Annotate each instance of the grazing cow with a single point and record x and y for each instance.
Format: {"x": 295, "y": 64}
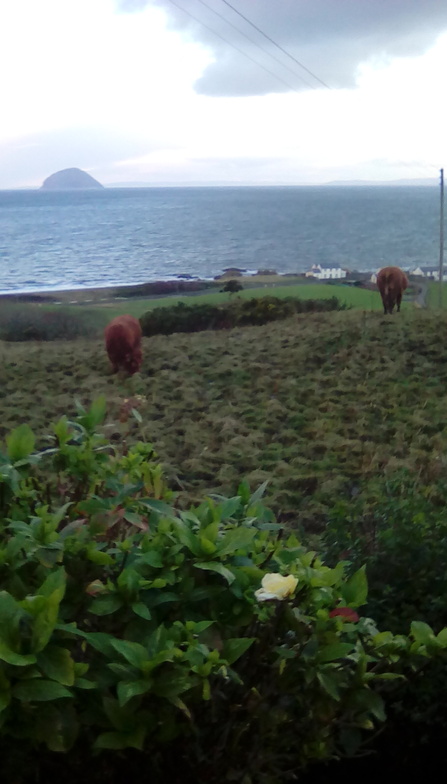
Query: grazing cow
{"x": 391, "y": 282}
{"x": 123, "y": 343}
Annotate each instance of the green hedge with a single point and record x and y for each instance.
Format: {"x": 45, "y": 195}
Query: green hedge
{"x": 239, "y": 312}
{"x": 23, "y": 322}
{"x": 209, "y": 641}
{"x": 402, "y": 540}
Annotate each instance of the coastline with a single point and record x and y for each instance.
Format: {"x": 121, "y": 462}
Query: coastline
{"x": 104, "y": 294}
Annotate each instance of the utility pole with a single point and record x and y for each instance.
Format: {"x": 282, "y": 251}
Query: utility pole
{"x": 441, "y": 241}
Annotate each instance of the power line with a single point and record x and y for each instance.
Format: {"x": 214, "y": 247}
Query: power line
{"x": 279, "y": 78}
{"x": 241, "y": 32}
{"x": 275, "y": 44}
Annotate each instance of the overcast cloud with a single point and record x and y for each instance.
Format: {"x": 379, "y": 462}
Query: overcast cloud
{"x": 139, "y": 91}
{"x": 331, "y": 38}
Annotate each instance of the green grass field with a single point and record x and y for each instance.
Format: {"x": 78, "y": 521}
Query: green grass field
{"x": 320, "y": 405}
{"x": 354, "y": 297}
{"x": 433, "y": 295}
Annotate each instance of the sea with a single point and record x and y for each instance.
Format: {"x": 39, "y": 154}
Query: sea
{"x": 118, "y": 236}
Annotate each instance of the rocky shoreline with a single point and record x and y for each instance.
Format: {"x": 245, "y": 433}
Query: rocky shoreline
{"x": 184, "y": 284}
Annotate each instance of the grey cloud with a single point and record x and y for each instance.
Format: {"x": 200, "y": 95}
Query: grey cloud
{"x": 330, "y": 37}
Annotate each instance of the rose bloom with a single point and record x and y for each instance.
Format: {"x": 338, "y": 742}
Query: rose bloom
{"x": 276, "y": 586}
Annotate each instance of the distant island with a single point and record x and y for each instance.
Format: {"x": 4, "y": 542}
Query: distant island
{"x": 70, "y": 180}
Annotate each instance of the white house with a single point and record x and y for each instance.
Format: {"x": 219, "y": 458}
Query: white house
{"x": 326, "y": 272}
{"x": 427, "y": 272}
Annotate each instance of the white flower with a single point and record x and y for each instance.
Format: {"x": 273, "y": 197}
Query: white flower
{"x": 276, "y": 586}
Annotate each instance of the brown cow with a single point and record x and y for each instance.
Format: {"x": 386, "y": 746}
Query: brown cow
{"x": 391, "y": 282}
{"x": 123, "y": 343}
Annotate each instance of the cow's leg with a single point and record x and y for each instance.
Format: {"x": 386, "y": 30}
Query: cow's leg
{"x": 398, "y": 301}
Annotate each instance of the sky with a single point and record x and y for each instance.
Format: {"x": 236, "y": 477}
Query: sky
{"x": 247, "y": 92}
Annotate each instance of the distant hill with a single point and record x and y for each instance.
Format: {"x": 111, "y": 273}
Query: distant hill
{"x": 70, "y": 180}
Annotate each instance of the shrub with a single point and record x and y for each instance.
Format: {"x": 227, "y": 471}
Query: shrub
{"x": 206, "y": 639}
{"x": 402, "y": 539}
{"x": 30, "y": 322}
{"x": 261, "y": 310}
{"x": 232, "y": 286}
{"x": 255, "y": 311}
{"x": 181, "y": 318}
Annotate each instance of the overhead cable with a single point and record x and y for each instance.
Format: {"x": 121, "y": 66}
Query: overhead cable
{"x": 278, "y": 46}
{"x": 207, "y": 27}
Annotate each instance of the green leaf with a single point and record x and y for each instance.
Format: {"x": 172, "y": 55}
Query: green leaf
{"x": 234, "y": 648}
{"x": 387, "y": 676}
{"x": 55, "y": 582}
{"x": 206, "y": 545}
{"x": 237, "y": 539}
{"x": 100, "y": 641}
{"x": 374, "y": 703}
{"x": 45, "y": 622}
{"x": 137, "y": 415}
{"x": 330, "y": 684}
{"x": 106, "y": 605}
{"x": 135, "y": 519}
{"x": 337, "y": 650}
{"x": 157, "y": 506}
{"x": 12, "y": 615}
{"x": 99, "y": 557}
{"x": 211, "y": 566}
{"x": 229, "y": 506}
{"x": 142, "y": 610}
{"x": 39, "y": 690}
{"x": 121, "y": 740}
{"x": 97, "y": 412}
{"x": 181, "y": 706}
{"x": 20, "y": 443}
{"x": 84, "y": 683}
{"x": 442, "y": 638}
{"x": 257, "y": 495}
{"x": 170, "y": 685}
{"x": 422, "y": 632}
{"x": 206, "y": 690}
{"x": 355, "y": 590}
{"x": 11, "y": 657}
{"x": 152, "y": 558}
{"x": 133, "y": 652}
{"x": 57, "y": 664}
{"x": 128, "y": 689}
{"x": 243, "y": 491}
{"x": 61, "y": 430}
{"x": 199, "y": 626}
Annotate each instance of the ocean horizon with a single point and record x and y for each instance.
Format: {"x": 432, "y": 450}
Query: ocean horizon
{"x": 65, "y": 240}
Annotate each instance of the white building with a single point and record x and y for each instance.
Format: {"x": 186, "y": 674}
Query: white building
{"x": 428, "y": 272}
{"x": 326, "y": 272}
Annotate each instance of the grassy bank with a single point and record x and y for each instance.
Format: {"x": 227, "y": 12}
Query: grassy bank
{"x": 75, "y": 320}
{"x": 319, "y": 405}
